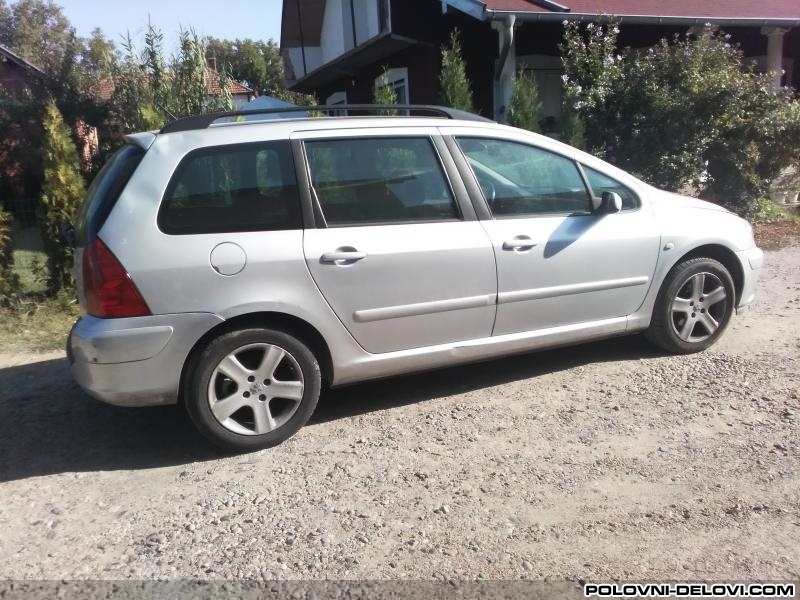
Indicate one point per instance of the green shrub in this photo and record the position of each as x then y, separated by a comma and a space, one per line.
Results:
9, 282
62, 192
525, 110
455, 87
385, 93
687, 113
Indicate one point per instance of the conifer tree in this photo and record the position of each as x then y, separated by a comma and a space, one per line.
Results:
455, 86
62, 193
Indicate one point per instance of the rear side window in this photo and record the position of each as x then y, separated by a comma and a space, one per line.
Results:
603, 183
379, 181
104, 192
247, 187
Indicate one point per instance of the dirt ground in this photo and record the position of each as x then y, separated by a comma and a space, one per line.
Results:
607, 461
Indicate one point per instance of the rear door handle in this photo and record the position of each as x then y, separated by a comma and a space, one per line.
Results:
342, 256
521, 242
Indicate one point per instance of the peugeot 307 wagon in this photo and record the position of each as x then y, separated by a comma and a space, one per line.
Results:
240, 267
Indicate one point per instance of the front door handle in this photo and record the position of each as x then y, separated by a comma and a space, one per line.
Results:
343, 256
521, 242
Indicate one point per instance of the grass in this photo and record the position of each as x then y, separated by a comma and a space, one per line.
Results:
33, 325
33, 322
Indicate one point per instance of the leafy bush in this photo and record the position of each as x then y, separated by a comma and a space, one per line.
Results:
455, 87
689, 113
8, 279
525, 108
62, 192
385, 93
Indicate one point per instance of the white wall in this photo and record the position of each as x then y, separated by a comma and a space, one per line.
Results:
333, 31
367, 25
295, 57
337, 26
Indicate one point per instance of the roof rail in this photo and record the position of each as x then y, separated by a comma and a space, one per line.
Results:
204, 121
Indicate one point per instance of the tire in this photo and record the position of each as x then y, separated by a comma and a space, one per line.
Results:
681, 307
252, 389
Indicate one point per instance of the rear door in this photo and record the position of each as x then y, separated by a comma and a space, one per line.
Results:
398, 252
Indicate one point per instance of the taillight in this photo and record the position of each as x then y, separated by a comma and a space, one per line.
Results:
109, 290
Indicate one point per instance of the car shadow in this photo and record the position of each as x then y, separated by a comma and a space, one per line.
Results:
48, 425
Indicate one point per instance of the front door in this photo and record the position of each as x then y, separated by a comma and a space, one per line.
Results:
400, 259
558, 262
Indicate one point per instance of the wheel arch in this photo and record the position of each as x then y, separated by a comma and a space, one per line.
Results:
287, 323
724, 255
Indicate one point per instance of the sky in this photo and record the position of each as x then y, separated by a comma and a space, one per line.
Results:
229, 19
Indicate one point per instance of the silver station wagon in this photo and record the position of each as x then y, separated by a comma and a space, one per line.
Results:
240, 267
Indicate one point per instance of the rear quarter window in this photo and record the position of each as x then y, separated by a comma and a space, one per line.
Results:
246, 187
104, 191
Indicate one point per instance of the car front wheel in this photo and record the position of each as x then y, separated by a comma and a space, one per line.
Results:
694, 306
253, 388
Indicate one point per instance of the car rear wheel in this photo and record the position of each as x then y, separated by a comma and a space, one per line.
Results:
693, 307
253, 389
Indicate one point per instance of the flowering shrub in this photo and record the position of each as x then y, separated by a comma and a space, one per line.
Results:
688, 113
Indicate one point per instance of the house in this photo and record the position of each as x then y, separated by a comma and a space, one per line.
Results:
337, 49
17, 75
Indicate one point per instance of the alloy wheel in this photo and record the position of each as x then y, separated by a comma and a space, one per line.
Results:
255, 389
699, 307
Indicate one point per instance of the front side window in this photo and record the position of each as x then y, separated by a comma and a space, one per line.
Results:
249, 187
379, 181
603, 183
518, 179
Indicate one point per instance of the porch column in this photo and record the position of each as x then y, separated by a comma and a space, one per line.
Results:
505, 67
775, 53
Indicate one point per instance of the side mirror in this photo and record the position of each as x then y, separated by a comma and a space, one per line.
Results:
610, 203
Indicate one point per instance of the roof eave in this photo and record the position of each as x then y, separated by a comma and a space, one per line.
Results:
526, 16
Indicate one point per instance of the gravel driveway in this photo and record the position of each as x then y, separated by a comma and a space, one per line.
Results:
604, 461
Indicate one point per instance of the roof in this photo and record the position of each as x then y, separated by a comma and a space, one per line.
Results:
212, 83
9, 54
727, 10
105, 88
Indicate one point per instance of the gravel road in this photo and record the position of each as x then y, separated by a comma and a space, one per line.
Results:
607, 461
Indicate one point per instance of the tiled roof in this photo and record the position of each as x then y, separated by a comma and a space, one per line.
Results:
212, 83
105, 88
713, 9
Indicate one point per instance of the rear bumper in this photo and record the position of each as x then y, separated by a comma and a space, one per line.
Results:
751, 260
136, 361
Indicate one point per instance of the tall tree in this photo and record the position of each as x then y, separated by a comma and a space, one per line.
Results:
39, 32
98, 57
455, 86
255, 63
6, 24
62, 192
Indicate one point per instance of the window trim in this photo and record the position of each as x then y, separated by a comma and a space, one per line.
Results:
596, 199
173, 182
476, 188
458, 199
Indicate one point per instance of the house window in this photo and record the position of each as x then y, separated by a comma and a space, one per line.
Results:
397, 79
